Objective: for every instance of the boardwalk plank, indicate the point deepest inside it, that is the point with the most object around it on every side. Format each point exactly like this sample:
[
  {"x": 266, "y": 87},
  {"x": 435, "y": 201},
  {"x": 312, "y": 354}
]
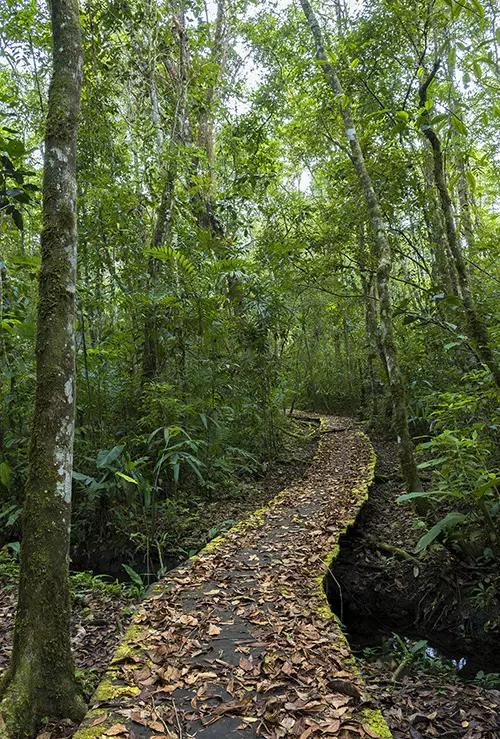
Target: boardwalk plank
[{"x": 239, "y": 641}]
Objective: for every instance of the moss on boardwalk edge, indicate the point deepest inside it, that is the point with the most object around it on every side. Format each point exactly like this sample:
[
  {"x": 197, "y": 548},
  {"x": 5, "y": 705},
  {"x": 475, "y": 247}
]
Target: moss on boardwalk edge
[
  {"x": 370, "y": 717},
  {"x": 113, "y": 693}
]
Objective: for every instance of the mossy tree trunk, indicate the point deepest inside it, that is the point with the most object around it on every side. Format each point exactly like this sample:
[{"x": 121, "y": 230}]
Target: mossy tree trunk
[
  {"x": 40, "y": 680},
  {"x": 443, "y": 268},
  {"x": 476, "y": 327},
  {"x": 384, "y": 262},
  {"x": 368, "y": 284}
]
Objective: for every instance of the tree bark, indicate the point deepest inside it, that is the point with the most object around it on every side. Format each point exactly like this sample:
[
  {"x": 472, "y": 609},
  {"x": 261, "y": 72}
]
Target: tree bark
[
  {"x": 40, "y": 680},
  {"x": 384, "y": 262},
  {"x": 163, "y": 228},
  {"x": 476, "y": 327},
  {"x": 371, "y": 353},
  {"x": 204, "y": 195},
  {"x": 443, "y": 269}
]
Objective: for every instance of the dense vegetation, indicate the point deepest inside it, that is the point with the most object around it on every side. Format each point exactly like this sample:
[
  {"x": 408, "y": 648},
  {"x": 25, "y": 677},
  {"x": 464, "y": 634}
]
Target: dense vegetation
[{"x": 275, "y": 210}]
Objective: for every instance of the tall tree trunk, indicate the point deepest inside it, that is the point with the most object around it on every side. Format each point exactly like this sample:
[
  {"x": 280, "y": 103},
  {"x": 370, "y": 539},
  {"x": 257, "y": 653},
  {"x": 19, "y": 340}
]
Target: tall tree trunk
[
  {"x": 476, "y": 327},
  {"x": 40, "y": 681},
  {"x": 163, "y": 228},
  {"x": 443, "y": 267},
  {"x": 204, "y": 166},
  {"x": 384, "y": 263},
  {"x": 371, "y": 352}
]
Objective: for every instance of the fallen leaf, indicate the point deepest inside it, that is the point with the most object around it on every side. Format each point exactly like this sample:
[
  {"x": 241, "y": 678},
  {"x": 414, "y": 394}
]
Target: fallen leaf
[
  {"x": 95, "y": 722},
  {"x": 116, "y": 729}
]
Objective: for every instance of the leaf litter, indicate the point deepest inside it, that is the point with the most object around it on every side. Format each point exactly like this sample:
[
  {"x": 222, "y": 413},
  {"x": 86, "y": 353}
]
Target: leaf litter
[{"x": 238, "y": 641}]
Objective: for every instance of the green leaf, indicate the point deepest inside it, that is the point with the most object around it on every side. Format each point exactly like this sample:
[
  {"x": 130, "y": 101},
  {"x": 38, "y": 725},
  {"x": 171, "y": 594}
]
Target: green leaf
[
  {"x": 469, "y": 176},
  {"x": 458, "y": 125},
  {"x": 168, "y": 253},
  {"x": 86, "y": 479},
  {"x": 354, "y": 64},
  {"x": 452, "y": 299},
  {"x": 448, "y": 522},
  {"x": 419, "y": 646},
  {"x": 410, "y": 319},
  {"x": 482, "y": 489},
  {"x": 134, "y": 576},
  {"x": 426, "y": 494},
  {"x": 17, "y": 218},
  {"x": 478, "y": 7},
  {"x": 439, "y": 118},
  {"x": 432, "y": 463},
  {"x": 5, "y": 475},
  {"x": 126, "y": 477},
  {"x": 402, "y": 115},
  {"x": 105, "y": 457}
]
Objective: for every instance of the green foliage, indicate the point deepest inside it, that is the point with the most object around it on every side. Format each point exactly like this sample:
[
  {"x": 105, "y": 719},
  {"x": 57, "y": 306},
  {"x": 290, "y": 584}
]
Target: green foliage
[
  {"x": 461, "y": 479},
  {"x": 256, "y": 299}
]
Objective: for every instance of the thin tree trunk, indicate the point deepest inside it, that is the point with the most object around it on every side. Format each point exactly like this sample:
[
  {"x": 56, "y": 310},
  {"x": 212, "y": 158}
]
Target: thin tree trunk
[
  {"x": 443, "y": 268},
  {"x": 163, "y": 228},
  {"x": 384, "y": 260},
  {"x": 371, "y": 353},
  {"x": 345, "y": 330},
  {"x": 40, "y": 681},
  {"x": 204, "y": 191},
  {"x": 476, "y": 327}
]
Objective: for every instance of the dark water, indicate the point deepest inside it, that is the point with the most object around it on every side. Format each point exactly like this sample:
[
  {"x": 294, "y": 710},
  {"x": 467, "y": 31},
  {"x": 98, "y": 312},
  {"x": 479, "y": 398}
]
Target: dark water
[{"x": 426, "y": 654}]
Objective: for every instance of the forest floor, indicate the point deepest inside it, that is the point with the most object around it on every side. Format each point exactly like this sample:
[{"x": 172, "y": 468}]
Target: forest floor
[
  {"x": 239, "y": 641},
  {"x": 381, "y": 588},
  {"x": 102, "y": 609},
  {"x": 437, "y": 606}
]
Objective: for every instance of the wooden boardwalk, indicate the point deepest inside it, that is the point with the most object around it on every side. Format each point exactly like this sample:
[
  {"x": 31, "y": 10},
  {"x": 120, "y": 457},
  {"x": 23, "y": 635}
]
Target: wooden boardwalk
[{"x": 239, "y": 641}]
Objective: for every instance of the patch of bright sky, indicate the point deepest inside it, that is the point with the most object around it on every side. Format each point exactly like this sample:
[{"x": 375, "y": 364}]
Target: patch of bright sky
[{"x": 251, "y": 72}]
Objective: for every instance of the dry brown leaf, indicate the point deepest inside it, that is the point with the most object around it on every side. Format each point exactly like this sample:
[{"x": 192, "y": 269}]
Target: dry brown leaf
[
  {"x": 156, "y": 725},
  {"x": 116, "y": 729},
  {"x": 95, "y": 722}
]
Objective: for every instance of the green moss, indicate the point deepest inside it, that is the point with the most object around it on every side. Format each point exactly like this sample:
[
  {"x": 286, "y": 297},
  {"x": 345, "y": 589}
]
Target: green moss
[
  {"x": 107, "y": 690},
  {"x": 213, "y": 544},
  {"x": 129, "y": 644},
  {"x": 373, "y": 719},
  {"x": 91, "y": 732}
]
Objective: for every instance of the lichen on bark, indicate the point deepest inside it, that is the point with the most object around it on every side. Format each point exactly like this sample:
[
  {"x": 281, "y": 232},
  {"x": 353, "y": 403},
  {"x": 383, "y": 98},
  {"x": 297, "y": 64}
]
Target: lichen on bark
[{"x": 40, "y": 681}]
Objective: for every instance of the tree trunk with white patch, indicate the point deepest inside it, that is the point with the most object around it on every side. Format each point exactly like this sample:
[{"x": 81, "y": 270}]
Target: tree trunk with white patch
[
  {"x": 384, "y": 262},
  {"x": 40, "y": 681}
]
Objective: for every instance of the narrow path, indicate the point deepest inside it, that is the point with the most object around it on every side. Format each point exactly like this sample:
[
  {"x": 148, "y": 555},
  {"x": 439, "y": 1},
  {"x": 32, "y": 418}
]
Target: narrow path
[{"x": 239, "y": 641}]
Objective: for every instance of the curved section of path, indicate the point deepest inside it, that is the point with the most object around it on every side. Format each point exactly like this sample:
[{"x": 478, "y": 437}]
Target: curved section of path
[{"x": 239, "y": 641}]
